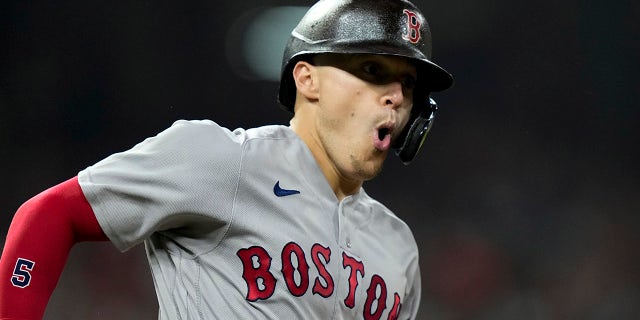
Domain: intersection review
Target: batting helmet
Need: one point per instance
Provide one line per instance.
(395, 28)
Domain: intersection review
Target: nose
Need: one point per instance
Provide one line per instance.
(393, 96)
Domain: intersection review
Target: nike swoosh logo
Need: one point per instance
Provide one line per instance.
(283, 192)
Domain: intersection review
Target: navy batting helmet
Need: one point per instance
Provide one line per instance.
(384, 27)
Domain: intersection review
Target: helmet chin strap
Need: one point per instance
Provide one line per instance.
(417, 133)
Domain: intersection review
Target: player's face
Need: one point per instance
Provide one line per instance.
(364, 103)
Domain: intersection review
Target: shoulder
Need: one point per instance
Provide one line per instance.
(188, 129)
(380, 209)
(195, 137)
(208, 128)
(387, 222)
(270, 132)
(274, 140)
(185, 145)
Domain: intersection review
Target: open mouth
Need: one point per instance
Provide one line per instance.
(382, 140)
(383, 132)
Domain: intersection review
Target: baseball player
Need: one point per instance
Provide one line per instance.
(269, 222)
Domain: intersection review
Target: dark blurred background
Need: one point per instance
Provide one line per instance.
(524, 201)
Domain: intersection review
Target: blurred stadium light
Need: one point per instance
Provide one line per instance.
(256, 41)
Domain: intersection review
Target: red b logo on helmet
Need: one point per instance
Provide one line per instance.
(413, 27)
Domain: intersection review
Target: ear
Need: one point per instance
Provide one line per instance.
(305, 78)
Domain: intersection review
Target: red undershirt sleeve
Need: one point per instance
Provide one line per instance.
(40, 237)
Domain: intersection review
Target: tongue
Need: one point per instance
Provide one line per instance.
(382, 143)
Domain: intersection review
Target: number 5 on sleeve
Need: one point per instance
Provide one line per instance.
(22, 273)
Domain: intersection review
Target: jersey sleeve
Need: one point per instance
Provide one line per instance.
(178, 179)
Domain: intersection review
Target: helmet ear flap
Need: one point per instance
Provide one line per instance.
(417, 132)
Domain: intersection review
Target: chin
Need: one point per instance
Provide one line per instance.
(373, 173)
(367, 170)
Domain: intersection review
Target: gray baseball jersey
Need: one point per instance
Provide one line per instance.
(243, 225)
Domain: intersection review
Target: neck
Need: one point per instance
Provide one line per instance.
(341, 186)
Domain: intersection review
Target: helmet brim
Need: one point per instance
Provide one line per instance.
(431, 77)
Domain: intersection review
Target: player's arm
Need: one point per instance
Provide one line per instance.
(40, 237)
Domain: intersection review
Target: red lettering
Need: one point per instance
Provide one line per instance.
(395, 310)
(413, 27)
(376, 282)
(356, 267)
(316, 251)
(261, 283)
(288, 269)
(257, 276)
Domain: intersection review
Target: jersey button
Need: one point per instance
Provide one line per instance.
(348, 243)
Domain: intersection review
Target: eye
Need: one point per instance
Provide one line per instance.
(371, 68)
(409, 82)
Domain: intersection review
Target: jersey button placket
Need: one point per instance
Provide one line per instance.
(345, 225)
